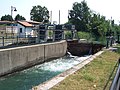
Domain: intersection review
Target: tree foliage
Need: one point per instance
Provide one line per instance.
(98, 25)
(40, 14)
(7, 18)
(80, 16)
(19, 18)
(88, 21)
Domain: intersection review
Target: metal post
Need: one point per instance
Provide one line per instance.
(59, 16)
(11, 21)
(46, 35)
(116, 78)
(3, 40)
(118, 84)
(12, 9)
(53, 36)
(17, 40)
(51, 17)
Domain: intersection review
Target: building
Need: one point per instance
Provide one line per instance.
(18, 28)
(7, 28)
(25, 28)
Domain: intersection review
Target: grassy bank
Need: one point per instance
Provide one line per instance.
(92, 76)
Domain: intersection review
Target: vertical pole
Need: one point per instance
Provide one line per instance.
(53, 35)
(46, 35)
(59, 16)
(51, 17)
(11, 11)
(3, 40)
(11, 24)
(68, 15)
(17, 40)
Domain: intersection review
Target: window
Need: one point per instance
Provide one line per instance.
(20, 30)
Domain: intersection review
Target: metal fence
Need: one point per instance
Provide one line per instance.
(29, 39)
(115, 76)
(9, 41)
(116, 81)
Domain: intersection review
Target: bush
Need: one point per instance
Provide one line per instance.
(84, 35)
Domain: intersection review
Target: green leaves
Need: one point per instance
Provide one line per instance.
(6, 18)
(19, 18)
(79, 16)
(40, 14)
(87, 20)
(9, 18)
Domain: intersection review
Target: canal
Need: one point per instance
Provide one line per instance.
(26, 79)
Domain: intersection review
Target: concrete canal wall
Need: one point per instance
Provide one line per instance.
(15, 59)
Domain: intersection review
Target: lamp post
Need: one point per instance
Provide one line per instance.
(12, 9)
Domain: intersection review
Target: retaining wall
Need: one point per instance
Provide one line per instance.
(83, 48)
(15, 59)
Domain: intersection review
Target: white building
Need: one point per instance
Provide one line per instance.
(24, 29)
(19, 28)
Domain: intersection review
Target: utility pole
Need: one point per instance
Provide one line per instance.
(51, 17)
(59, 16)
(12, 9)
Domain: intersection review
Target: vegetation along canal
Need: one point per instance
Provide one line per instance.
(28, 78)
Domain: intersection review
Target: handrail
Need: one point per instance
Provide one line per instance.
(116, 81)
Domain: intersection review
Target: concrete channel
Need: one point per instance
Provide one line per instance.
(19, 58)
(49, 84)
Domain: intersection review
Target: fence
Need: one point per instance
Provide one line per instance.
(8, 41)
(116, 82)
(115, 75)
(24, 40)
(16, 40)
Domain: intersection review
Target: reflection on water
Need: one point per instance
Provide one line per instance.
(28, 78)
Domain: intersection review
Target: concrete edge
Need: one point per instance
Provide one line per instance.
(57, 79)
(32, 45)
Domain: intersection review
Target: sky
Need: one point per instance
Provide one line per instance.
(107, 8)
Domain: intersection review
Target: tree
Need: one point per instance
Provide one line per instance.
(99, 25)
(88, 21)
(19, 18)
(40, 14)
(7, 17)
(80, 16)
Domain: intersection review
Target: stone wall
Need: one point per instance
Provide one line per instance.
(15, 59)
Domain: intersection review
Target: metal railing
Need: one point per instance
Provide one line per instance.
(116, 81)
(115, 76)
(16, 40)
(24, 40)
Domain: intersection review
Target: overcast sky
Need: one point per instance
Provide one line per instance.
(108, 8)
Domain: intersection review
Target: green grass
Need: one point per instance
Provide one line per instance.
(84, 35)
(92, 76)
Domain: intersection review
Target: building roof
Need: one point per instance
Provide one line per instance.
(34, 22)
(25, 23)
(5, 22)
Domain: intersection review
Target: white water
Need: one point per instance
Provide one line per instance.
(25, 79)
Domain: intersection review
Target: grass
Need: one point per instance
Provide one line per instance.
(92, 76)
(118, 48)
(84, 35)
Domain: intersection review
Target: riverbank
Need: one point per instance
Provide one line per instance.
(93, 76)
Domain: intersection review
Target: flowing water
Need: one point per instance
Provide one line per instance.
(36, 75)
